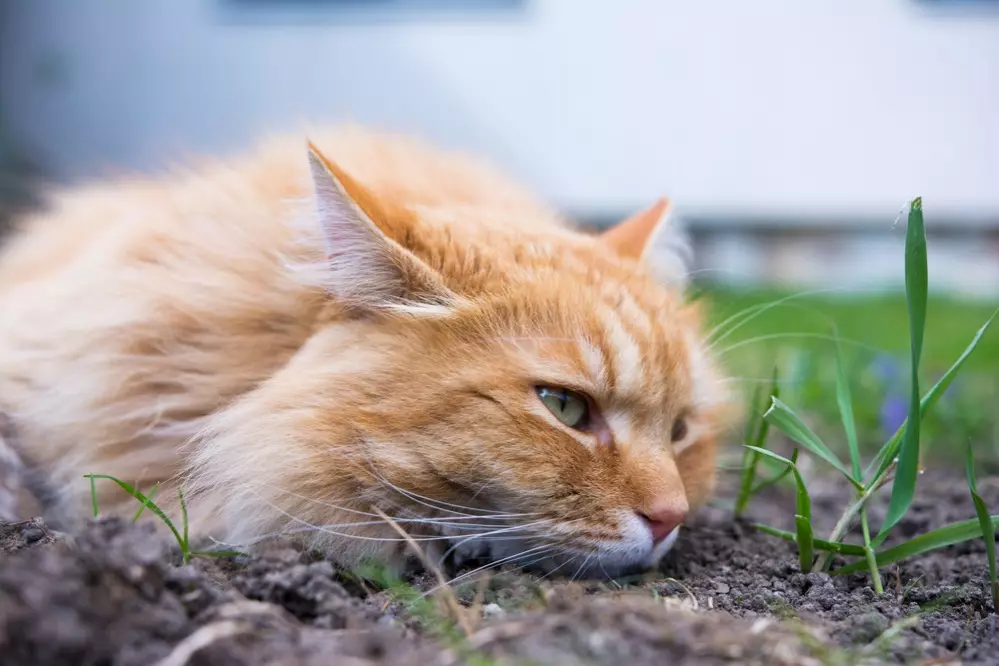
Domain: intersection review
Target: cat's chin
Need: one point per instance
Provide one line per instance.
(609, 560)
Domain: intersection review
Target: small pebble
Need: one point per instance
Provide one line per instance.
(493, 611)
(32, 534)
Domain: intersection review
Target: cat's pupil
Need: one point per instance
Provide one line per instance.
(679, 429)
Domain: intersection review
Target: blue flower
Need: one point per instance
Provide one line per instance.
(894, 410)
(886, 369)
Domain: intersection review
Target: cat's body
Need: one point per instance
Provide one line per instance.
(381, 353)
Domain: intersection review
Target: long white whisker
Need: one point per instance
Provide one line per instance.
(492, 564)
(430, 502)
(321, 528)
(442, 520)
(814, 336)
(754, 311)
(512, 528)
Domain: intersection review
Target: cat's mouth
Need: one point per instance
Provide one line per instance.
(631, 553)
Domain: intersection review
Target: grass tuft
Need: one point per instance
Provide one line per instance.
(146, 502)
(897, 461)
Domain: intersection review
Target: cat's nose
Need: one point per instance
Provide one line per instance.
(663, 517)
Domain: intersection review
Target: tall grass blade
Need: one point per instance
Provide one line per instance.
(791, 425)
(845, 402)
(750, 459)
(93, 496)
(904, 486)
(805, 541)
(756, 435)
(988, 534)
(890, 449)
(965, 530)
(185, 549)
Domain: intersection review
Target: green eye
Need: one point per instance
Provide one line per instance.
(569, 407)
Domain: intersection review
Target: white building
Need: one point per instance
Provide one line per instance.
(767, 113)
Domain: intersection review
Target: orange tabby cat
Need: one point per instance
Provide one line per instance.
(420, 339)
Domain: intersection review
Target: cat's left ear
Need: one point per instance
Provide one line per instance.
(366, 270)
(655, 237)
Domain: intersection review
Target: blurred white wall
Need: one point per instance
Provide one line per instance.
(831, 109)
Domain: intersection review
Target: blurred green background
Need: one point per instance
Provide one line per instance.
(795, 336)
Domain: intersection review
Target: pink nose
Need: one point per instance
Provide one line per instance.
(662, 519)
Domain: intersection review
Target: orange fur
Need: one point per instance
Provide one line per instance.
(295, 366)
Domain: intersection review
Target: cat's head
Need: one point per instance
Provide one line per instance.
(543, 396)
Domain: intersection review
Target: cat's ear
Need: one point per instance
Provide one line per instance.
(655, 237)
(366, 269)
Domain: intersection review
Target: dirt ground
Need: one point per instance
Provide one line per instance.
(115, 594)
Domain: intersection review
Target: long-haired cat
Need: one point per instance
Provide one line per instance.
(306, 339)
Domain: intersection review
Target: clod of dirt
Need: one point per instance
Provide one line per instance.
(632, 629)
(112, 596)
(26, 534)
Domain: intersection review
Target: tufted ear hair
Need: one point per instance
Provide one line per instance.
(367, 270)
(655, 237)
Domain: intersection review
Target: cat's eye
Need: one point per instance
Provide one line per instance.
(679, 430)
(569, 407)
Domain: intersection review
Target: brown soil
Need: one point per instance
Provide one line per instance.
(114, 593)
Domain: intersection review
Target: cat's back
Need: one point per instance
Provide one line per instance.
(246, 200)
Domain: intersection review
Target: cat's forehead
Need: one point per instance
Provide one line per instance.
(612, 340)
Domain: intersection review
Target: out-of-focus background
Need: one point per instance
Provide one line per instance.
(790, 134)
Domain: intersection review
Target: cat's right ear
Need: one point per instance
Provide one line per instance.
(366, 269)
(654, 237)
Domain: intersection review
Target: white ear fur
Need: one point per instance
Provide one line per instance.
(365, 268)
(668, 253)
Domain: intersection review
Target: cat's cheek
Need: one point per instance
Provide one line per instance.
(697, 469)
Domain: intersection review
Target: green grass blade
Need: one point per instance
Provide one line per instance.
(778, 477)
(145, 500)
(749, 458)
(965, 530)
(93, 495)
(904, 486)
(805, 541)
(803, 510)
(183, 519)
(845, 402)
(142, 507)
(890, 449)
(756, 435)
(819, 544)
(989, 535)
(791, 425)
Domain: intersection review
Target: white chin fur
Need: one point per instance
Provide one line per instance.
(632, 552)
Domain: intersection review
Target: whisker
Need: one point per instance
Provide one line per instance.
(752, 312)
(582, 566)
(321, 528)
(442, 520)
(429, 501)
(491, 565)
(464, 540)
(814, 336)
